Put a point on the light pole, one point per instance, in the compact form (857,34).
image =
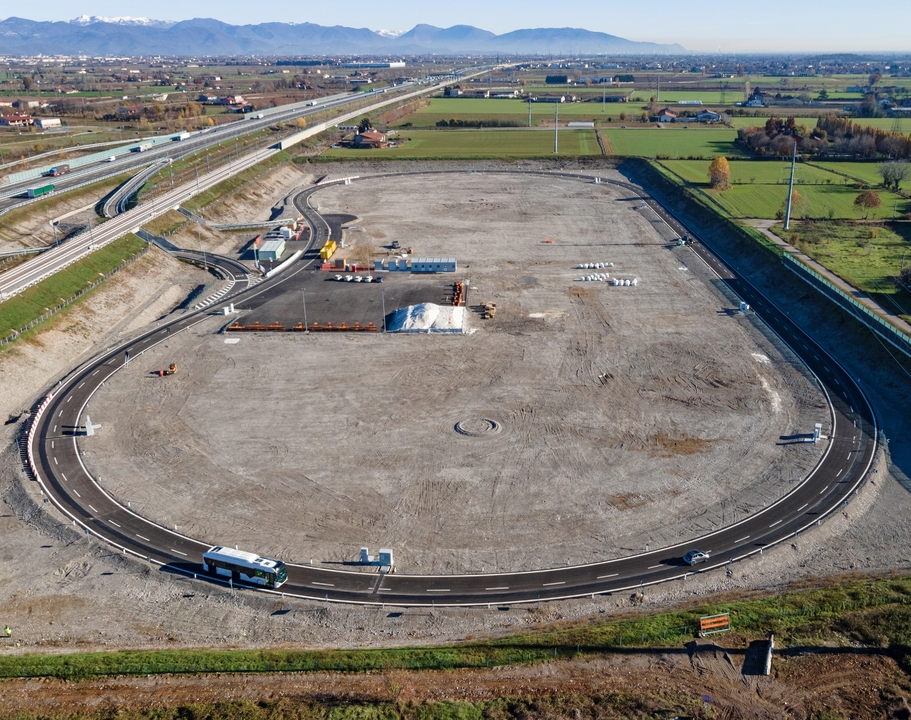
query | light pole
(383,294)
(304,300)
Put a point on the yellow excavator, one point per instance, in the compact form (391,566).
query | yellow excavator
(172,368)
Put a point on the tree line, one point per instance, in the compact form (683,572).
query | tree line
(832,135)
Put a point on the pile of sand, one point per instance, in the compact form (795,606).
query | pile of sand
(429,318)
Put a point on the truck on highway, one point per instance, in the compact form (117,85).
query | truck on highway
(58,170)
(142,147)
(181,136)
(39,191)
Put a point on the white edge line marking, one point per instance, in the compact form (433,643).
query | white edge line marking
(775,523)
(504,587)
(601,577)
(652,567)
(324,584)
(143,537)
(439,590)
(55,460)
(745,537)
(802,507)
(562,582)
(113,523)
(94,509)
(178,552)
(824,489)
(77,492)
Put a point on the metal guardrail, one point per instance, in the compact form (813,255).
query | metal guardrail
(876,323)
(24,251)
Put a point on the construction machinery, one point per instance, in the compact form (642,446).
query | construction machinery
(490,310)
(172,368)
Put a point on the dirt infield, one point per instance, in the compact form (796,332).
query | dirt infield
(627,417)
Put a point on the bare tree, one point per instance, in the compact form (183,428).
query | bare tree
(893,173)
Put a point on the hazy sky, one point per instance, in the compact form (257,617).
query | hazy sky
(699,25)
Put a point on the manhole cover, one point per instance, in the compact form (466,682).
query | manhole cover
(477,427)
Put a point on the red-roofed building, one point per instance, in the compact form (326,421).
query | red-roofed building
(15,120)
(370,139)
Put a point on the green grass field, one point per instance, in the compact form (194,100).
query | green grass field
(673,142)
(760,189)
(22,309)
(845,613)
(478,144)
(852,252)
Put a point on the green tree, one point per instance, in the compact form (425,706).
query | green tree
(867,200)
(720,173)
(364,125)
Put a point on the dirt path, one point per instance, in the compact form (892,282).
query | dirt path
(701,681)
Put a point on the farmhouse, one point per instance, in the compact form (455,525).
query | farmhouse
(370,139)
(15,120)
(667,115)
(707,116)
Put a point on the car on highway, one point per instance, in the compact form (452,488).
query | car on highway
(694,557)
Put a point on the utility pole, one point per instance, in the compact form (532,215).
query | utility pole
(556,122)
(787,212)
(529,111)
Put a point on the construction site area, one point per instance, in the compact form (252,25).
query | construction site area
(572,421)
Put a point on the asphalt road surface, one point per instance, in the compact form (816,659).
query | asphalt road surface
(57,464)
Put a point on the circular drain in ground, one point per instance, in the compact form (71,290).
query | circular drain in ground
(477,427)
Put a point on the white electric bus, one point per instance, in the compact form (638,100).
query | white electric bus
(243,566)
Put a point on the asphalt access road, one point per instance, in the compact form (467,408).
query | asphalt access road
(848,457)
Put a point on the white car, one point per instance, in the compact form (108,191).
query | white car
(358,278)
(695,556)
(349,278)
(338,277)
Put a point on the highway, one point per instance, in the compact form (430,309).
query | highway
(47,263)
(14,194)
(53,448)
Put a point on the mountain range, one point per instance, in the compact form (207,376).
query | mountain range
(124,36)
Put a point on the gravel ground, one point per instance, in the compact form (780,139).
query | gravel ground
(326,446)
(57,608)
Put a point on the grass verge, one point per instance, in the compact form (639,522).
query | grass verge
(49,206)
(54,292)
(807,617)
(235,183)
(869,257)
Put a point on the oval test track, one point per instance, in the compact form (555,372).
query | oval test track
(56,463)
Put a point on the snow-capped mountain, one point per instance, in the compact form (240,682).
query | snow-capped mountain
(136,21)
(117,36)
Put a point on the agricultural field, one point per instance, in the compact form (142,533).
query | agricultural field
(674,142)
(759,189)
(433,144)
(483,109)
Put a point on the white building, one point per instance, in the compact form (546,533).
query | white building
(45,123)
(433,265)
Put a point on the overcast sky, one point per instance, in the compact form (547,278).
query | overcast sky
(699,25)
